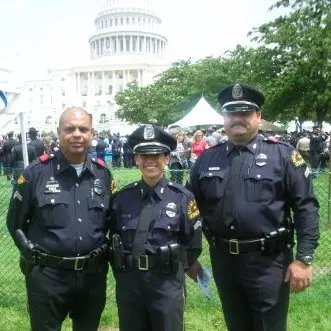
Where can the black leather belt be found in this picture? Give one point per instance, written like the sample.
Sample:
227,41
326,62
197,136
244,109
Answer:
90,262
142,262
236,247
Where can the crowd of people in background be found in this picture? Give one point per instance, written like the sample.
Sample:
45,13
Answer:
114,149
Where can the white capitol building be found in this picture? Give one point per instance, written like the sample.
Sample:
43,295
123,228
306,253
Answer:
128,45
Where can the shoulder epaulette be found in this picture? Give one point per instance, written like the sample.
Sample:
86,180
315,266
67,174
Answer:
46,157
177,186
217,145
279,142
129,186
100,162
271,140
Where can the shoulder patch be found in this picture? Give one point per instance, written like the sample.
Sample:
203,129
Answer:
192,210
296,159
21,180
113,187
46,157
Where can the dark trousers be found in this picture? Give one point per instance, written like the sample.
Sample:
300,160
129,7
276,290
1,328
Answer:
252,290
150,300
116,161
315,160
54,293
127,160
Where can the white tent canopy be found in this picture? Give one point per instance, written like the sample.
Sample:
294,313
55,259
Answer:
201,114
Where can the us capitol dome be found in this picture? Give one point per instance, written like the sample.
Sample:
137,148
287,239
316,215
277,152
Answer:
128,45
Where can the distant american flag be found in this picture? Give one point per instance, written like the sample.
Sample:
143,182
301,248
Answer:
3,100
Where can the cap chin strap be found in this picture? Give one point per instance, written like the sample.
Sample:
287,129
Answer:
240,105
151,144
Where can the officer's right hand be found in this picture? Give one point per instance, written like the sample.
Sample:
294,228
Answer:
299,276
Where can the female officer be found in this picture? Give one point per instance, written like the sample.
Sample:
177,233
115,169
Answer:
157,235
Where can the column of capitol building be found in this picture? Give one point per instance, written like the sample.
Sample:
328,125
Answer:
128,45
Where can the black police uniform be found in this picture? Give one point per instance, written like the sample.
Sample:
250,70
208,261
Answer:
116,152
127,155
16,163
64,216
6,149
150,284
250,242
315,150
36,143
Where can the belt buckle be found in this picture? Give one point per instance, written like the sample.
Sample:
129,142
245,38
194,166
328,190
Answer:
79,266
143,262
234,247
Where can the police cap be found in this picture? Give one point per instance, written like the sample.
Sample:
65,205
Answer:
151,139
239,98
32,131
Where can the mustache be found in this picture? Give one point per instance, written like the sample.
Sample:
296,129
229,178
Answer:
238,123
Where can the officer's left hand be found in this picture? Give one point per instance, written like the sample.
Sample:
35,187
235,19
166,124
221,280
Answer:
194,270
299,276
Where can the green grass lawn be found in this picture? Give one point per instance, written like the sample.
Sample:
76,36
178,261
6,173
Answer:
309,310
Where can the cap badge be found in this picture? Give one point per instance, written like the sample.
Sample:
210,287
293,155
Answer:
149,132
237,92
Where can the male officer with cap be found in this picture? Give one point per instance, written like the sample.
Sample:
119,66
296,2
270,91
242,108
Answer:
246,189
35,142
58,220
157,236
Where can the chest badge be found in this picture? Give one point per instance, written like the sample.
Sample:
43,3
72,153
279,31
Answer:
171,209
98,187
52,186
261,160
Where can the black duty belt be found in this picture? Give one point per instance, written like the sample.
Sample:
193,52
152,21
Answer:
236,247
142,262
91,262
276,241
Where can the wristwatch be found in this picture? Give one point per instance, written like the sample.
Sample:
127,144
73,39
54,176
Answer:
307,259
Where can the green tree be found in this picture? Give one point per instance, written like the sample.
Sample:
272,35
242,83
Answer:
301,40
175,91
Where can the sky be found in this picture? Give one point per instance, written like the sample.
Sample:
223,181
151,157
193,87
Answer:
55,33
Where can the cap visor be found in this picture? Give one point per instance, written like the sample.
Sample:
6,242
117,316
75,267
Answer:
152,149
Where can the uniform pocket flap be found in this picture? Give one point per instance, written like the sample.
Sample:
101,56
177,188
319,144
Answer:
260,174
99,202
51,200
212,174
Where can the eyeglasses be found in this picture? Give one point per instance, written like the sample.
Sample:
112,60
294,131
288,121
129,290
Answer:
199,135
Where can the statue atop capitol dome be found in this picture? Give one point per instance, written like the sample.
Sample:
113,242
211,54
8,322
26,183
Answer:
130,3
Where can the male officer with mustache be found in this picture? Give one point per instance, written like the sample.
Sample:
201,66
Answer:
253,192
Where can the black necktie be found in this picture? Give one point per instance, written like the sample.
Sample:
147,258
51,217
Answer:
232,186
138,246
